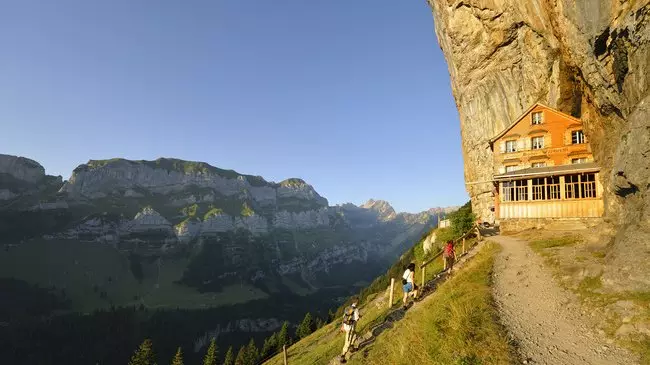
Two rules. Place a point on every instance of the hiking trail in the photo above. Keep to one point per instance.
(544, 320)
(365, 340)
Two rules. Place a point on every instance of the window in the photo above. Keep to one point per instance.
(580, 186)
(537, 142)
(539, 193)
(553, 188)
(514, 191)
(579, 160)
(546, 188)
(538, 164)
(511, 146)
(577, 137)
(536, 118)
(511, 168)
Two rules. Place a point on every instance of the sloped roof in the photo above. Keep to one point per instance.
(522, 115)
(549, 171)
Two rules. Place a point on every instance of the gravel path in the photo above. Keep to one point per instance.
(542, 318)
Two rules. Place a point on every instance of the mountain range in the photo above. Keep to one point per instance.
(169, 234)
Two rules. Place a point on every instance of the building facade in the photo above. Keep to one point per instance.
(544, 168)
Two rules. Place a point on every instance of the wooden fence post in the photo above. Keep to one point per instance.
(424, 270)
(478, 233)
(463, 245)
(284, 352)
(392, 289)
(444, 262)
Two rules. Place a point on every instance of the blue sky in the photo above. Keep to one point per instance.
(352, 96)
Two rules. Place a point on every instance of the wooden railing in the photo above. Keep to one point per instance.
(462, 239)
(474, 230)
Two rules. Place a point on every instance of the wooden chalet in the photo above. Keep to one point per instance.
(544, 168)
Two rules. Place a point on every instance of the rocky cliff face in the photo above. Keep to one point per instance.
(588, 58)
(21, 176)
(242, 225)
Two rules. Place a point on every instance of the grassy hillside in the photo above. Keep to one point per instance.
(454, 325)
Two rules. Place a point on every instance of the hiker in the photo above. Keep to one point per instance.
(350, 318)
(450, 256)
(408, 283)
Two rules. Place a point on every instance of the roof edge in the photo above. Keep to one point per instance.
(501, 177)
(522, 115)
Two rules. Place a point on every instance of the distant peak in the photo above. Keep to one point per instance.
(374, 204)
(384, 210)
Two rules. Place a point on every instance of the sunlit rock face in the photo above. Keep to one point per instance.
(587, 58)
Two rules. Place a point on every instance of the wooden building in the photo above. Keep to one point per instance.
(544, 168)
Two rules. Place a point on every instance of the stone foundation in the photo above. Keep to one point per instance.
(552, 224)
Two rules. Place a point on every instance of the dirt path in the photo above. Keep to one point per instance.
(542, 318)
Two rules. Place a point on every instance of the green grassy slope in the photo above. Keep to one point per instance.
(454, 325)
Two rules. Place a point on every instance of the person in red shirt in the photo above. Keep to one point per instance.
(450, 256)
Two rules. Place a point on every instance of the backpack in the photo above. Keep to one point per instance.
(449, 249)
(348, 315)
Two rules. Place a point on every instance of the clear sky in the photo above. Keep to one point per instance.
(352, 96)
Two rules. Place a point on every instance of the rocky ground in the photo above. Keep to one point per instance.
(544, 320)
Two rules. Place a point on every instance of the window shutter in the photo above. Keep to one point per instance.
(529, 144)
(502, 146)
(502, 170)
(520, 145)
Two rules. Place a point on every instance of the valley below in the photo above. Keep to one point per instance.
(176, 251)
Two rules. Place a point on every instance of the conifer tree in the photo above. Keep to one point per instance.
(230, 357)
(241, 356)
(144, 354)
(283, 336)
(178, 358)
(211, 355)
(305, 328)
(319, 323)
(252, 354)
(270, 345)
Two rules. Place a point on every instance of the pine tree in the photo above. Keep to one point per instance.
(305, 328)
(319, 323)
(252, 354)
(178, 358)
(144, 354)
(270, 345)
(241, 356)
(283, 336)
(230, 357)
(211, 355)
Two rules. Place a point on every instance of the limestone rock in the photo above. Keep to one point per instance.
(255, 224)
(301, 220)
(299, 189)
(217, 223)
(148, 220)
(21, 168)
(187, 230)
(384, 210)
(429, 242)
(587, 58)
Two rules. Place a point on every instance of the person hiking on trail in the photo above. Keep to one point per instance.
(450, 255)
(350, 318)
(408, 283)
